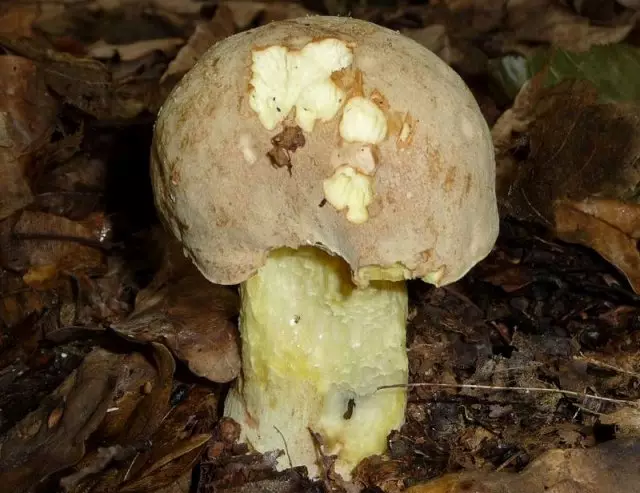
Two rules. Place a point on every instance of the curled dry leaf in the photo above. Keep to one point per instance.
(177, 444)
(205, 35)
(42, 245)
(140, 405)
(86, 83)
(246, 12)
(458, 52)
(195, 319)
(19, 18)
(42, 444)
(133, 51)
(27, 118)
(547, 21)
(611, 466)
(570, 162)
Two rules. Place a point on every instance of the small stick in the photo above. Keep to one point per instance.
(286, 447)
(606, 365)
(525, 389)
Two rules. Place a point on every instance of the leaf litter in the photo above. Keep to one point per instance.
(525, 374)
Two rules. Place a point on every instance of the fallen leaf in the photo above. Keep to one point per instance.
(139, 408)
(194, 318)
(247, 12)
(105, 51)
(27, 119)
(31, 450)
(86, 83)
(18, 19)
(632, 4)
(611, 466)
(626, 420)
(456, 51)
(174, 447)
(205, 35)
(549, 22)
(569, 162)
(603, 234)
(612, 69)
(42, 245)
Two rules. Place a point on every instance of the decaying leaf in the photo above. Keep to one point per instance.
(193, 317)
(626, 420)
(177, 444)
(229, 467)
(41, 245)
(205, 35)
(570, 162)
(85, 83)
(548, 21)
(247, 12)
(41, 445)
(133, 51)
(460, 53)
(27, 118)
(284, 143)
(611, 466)
(137, 426)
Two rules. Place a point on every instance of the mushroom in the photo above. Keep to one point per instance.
(320, 163)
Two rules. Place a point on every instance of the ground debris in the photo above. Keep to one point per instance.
(612, 466)
(284, 143)
(229, 466)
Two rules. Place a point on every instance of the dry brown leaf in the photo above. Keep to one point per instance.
(42, 245)
(173, 449)
(31, 450)
(17, 20)
(27, 119)
(195, 319)
(626, 420)
(604, 235)
(205, 35)
(611, 466)
(245, 12)
(133, 51)
(460, 53)
(547, 21)
(571, 163)
(86, 83)
(176, 447)
(631, 4)
(140, 404)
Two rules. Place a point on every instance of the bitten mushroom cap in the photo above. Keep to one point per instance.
(417, 200)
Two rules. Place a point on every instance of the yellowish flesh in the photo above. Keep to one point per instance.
(311, 343)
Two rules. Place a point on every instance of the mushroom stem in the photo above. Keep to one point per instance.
(315, 349)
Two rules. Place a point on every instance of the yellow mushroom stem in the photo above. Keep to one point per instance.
(315, 350)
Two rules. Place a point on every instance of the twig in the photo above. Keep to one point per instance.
(607, 365)
(286, 447)
(525, 389)
(509, 461)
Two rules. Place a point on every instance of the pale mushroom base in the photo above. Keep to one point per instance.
(315, 351)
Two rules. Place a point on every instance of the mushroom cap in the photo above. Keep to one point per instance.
(433, 213)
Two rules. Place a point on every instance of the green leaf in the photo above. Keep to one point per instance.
(613, 69)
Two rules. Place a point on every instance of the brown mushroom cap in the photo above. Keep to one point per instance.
(434, 208)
